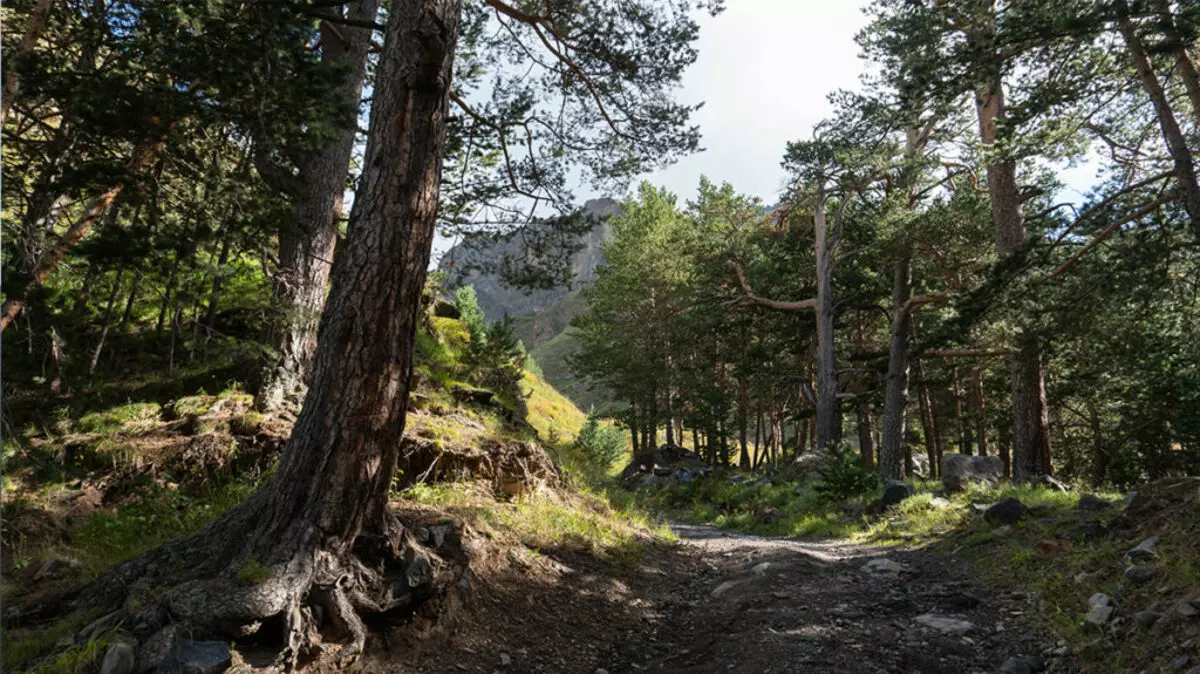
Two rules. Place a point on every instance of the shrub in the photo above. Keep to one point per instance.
(843, 476)
(601, 445)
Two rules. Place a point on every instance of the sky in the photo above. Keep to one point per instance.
(764, 70)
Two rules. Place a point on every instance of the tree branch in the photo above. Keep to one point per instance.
(750, 299)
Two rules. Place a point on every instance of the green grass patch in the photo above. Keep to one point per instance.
(119, 418)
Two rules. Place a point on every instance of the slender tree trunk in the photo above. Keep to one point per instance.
(829, 415)
(1183, 60)
(214, 297)
(980, 409)
(108, 316)
(12, 76)
(306, 245)
(1181, 155)
(1100, 456)
(891, 459)
(964, 429)
(866, 442)
(1029, 419)
(743, 422)
(933, 440)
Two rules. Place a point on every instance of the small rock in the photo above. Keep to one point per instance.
(1098, 615)
(505, 660)
(1143, 551)
(1091, 502)
(945, 624)
(197, 657)
(1008, 511)
(1099, 599)
(1061, 652)
(883, 565)
(1090, 531)
(1187, 609)
(939, 502)
(1181, 662)
(1146, 619)
(600, 670)
(1131, 499)
(1139, 573)
(119, 658)
(1002, 531)
(761, 569)
(721, 589)
(1023, 664)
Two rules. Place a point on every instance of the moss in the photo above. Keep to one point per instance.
(119, 417)
(246, 423)
(253, 572)
(192, 406)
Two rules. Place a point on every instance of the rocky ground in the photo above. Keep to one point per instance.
(727, 602)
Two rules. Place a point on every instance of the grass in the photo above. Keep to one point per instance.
(120, 417)
(546, 522)
(161, 515)
(21, 649)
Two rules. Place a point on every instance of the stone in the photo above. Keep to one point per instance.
(894, 493)
(444, 309)
(1098, 615)
(1187, 609)
(1008, 511)
(945, 624)
(1099, 599)
(1091, 502)
(958, 470)
(1023, 664)
(1090, 531)
(1181, 662)
(760, 570)
(600, 670)
(1131, 499)
(939, 502)
(1146, 619)
(1002, 531)
(1139, 573)
(57, 567)
(505, 660)
(197, 657)
(721, 589)
(683, 476)
(154, 649)
(1144, 551)
(119, 658)
(882, 566)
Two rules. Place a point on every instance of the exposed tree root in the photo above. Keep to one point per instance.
(217, 584)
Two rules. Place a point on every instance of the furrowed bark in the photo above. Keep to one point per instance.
(320, 525)
(891, 452)
(306, 245)
(1030, 427)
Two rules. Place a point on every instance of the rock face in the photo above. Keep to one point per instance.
(496, 298)
(960, 469)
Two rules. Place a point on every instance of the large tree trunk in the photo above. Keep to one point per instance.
(829, 414)
(1181, 155)
(320, 525)
(891, 453)
(306, 245)
(1030, 427)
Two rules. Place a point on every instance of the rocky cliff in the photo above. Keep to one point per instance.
(473, 263)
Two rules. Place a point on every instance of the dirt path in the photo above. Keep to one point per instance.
(757, 604)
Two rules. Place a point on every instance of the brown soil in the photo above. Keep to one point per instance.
(724, 602)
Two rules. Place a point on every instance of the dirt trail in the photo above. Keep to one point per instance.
(758, 604)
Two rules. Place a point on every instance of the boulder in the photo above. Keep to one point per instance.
(894, 493)
(1091, 502)
(958, 470)
(1139, 574)
(197, 657)
(1008, 511)
(1144, 551)
(444, 309)
(119, 658)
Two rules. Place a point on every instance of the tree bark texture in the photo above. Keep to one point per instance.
(829, 415)
(306, 245)
(891, 452)
(320, 524)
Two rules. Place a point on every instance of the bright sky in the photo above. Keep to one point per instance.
(764, 70)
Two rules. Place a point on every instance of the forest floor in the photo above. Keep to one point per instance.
(720, 601)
